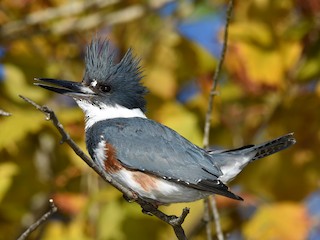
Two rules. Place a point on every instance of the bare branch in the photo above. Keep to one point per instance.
(148, 208)
(44, 218)
(216, 218)
(213, 93)
(207, 218)
(174, 221)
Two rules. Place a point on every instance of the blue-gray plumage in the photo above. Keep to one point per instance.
(150, 159)
(147, 146)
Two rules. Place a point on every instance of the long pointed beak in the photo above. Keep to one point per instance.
(72, 89)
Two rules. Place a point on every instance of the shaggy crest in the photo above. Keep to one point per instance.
(123, 77)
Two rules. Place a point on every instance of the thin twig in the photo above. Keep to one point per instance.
(213, 93)
(174, 221)
(207, 218)
(216, 218)
(44, 218)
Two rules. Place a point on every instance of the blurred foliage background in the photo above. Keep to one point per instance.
(269, 86)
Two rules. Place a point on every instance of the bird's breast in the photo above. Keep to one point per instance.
(148, 186)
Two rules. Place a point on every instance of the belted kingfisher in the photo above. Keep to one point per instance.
(150, 159)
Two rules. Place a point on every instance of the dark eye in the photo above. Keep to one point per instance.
(104, 88)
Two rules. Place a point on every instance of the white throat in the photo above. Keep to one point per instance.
(96, 113)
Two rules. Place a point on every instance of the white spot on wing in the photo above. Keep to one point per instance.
(100, 153)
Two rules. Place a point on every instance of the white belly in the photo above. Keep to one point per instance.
(157, 189)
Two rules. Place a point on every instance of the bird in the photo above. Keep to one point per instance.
(150, 159)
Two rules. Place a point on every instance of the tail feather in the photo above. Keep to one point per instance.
(267, 148)
(231, 162)
(273, 146)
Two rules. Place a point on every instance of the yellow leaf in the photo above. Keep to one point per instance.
(181, 120)
(160, 69)
(16, 127)
(290, 53)
(16, 83)
(161, 82)
(75, 230)
(249, 31)
(110, 222)
(285, 221)
(255, 58)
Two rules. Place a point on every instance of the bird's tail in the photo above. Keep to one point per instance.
(231, 162)
(267, 148)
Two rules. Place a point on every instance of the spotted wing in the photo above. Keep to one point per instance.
(145, 145)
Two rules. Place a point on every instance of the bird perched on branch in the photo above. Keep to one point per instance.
(150, 159)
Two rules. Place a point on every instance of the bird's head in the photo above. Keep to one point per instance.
(107, 87)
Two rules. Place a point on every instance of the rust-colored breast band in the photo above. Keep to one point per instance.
(111, 162)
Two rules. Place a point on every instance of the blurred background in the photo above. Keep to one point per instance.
(269, 86)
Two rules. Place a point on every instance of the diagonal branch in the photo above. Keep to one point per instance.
(44, 218)
(50, 115)
(174, 221)
(213, 93)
